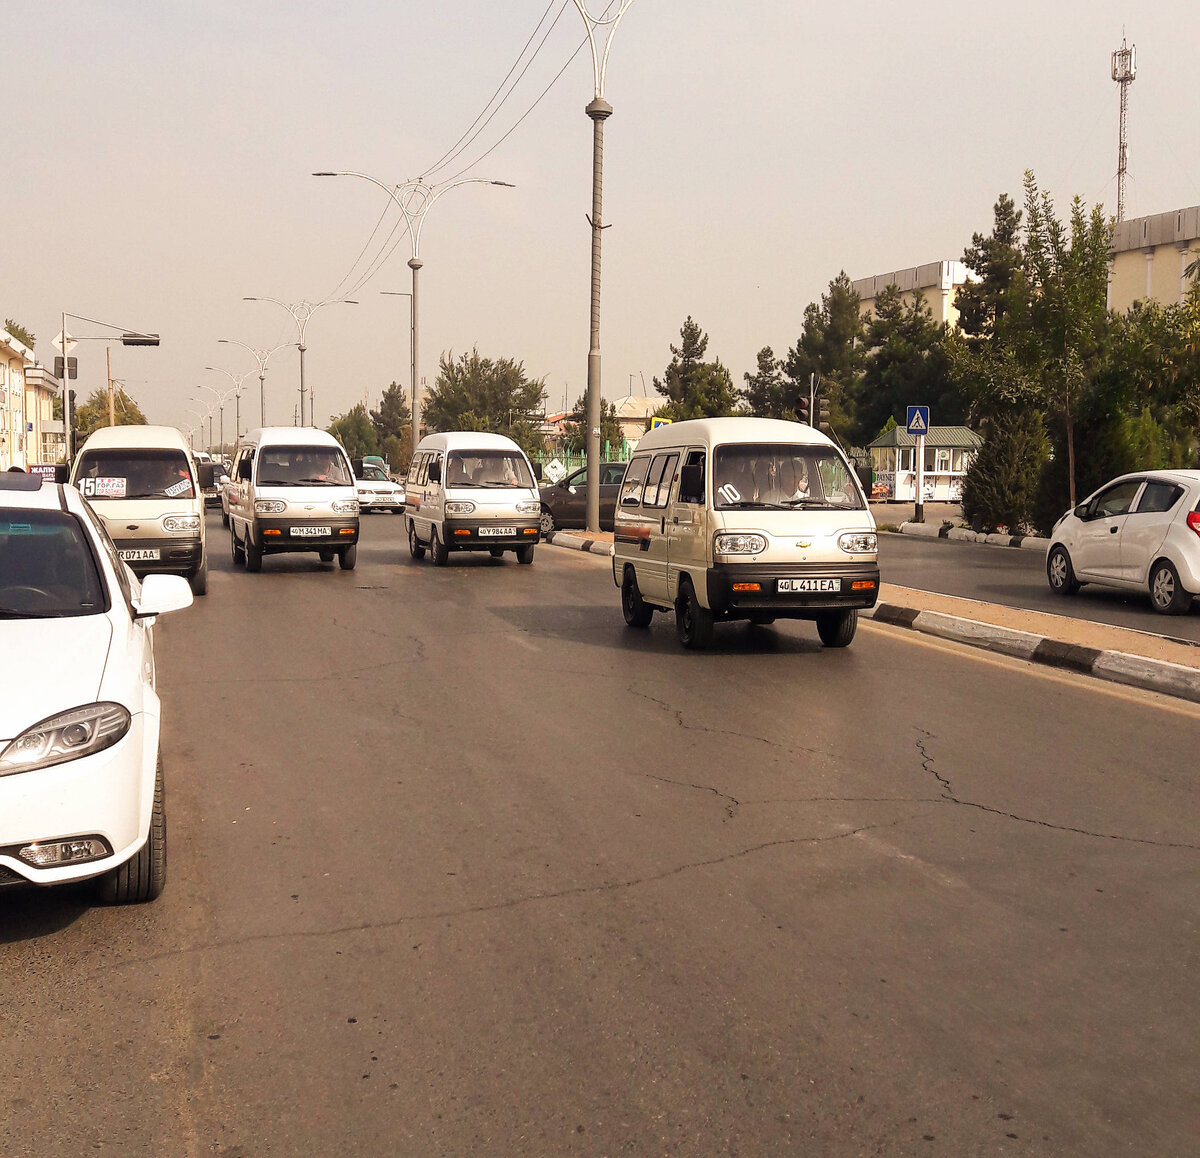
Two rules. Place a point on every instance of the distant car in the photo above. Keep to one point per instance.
(81, 784)
(565, 503)
(1140, 532)
(377, 492)
(212, 494)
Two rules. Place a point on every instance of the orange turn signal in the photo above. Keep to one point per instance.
(271, 531)
(467, 533)
(531, 530)
(862, 584)
(346, 531)
(747, 586)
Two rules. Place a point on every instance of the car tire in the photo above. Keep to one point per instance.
(438, 551)
(546, 524)
(325, 556)
(348, 557)
(254, 555)
(693, 623)
(236, 549)
(496, 552)
(1059, 572)
(637, 612)
(415, 547)
(837, 628)
(525, 554)
(1167, 594)
(224, 517)
(198, 579)
(142, 877)
(761, 619)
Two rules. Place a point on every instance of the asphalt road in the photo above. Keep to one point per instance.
(1017, 578)
(460, 865)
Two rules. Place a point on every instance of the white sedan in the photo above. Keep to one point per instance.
(1140, 532)
(377, 492)
(81, 785)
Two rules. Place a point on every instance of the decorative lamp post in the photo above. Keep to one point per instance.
(262, 357)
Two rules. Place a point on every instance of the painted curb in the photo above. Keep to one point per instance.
(1155, 675)
(965, 535)
(578, 543)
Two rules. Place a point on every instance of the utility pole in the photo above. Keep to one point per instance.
(1124, 69)
(112, 409)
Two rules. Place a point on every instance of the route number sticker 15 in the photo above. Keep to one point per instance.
(102, 488)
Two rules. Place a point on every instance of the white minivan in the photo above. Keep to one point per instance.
(468, 491)
(743, 518)
(145, 484)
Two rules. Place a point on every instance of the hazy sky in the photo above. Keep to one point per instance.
(158, 159)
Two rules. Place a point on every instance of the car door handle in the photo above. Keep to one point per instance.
(1113, 530)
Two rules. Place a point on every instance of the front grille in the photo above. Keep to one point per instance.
(8, 877)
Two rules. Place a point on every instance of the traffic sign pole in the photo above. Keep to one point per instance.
(918, 424)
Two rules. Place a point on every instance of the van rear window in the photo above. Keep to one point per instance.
(115, 473)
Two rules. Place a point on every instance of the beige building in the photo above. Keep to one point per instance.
(29, 434)
(1150, 255)
(938, 282)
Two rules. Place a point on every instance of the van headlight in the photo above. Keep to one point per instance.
(181, 523)
(529, 508)
(859, 542)
(727, 543)
(459, 508)
(67, 736)
(269, 506)
(345, 506)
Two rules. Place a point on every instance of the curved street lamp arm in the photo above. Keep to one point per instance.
(600, 62)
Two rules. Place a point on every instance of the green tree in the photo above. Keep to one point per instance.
(998, 264)
(766, 391)
(575, 426)
(355, 432)
(1001, 486)
(476, 393)
(94, 413)
(829, 352)
(394, 416)
(693, 387)
(18, 331)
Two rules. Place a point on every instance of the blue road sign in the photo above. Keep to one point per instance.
(918, 420)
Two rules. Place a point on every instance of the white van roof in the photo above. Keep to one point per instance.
(713, 431)
(467, 440)
(290, 436)
(135, 436)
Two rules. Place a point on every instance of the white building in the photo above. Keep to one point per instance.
(28, 432)
(938, 282)
(1150, 256)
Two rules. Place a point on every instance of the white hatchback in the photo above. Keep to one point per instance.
(81, 786)
(1140, 532)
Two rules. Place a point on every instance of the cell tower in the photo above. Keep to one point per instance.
(1124, 69)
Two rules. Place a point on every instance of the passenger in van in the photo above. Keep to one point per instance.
(456, 475)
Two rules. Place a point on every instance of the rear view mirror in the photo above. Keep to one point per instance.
(435, 471)
(204, 472)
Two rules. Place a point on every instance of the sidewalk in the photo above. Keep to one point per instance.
(1119, 654)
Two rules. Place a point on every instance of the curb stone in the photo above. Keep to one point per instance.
(964, 535)
(578, 543)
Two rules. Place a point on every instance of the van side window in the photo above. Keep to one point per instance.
(694, 458)
(635, 478)
(658, 485)
(423, 470)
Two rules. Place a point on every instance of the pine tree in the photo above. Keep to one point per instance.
(693, 387)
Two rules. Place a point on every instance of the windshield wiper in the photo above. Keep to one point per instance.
(14, 613)
(321, 482)
(809, 504)
(751, 505)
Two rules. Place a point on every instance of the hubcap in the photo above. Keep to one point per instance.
(1058, 570)
(1164, 587)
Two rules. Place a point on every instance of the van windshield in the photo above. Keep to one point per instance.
(488, 468)
(117, 473)
(779, 476)
(303, 466)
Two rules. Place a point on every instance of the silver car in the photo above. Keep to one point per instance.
(1140, 532)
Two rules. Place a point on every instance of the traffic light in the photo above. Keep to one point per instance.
(139, 339)
(802, 410)
(823, 416)
(72, 368)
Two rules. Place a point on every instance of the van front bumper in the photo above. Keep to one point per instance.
(176, 554)
(475, 534)
(740, 589)
(275, 536)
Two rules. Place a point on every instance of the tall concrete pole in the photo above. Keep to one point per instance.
(599, 110)
(302, 349)
(415, 263)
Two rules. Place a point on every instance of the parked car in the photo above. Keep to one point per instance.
(81, 781)
(565, 503)
(377, 492)
(1139, 532)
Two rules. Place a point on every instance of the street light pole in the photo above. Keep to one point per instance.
(412, 353)
(237, 380)
(262, 357)
(414, 199)
(599, 110)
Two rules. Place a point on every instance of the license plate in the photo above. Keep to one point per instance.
(810, 585)
(489, 532)
(139, 554)
(310, 532)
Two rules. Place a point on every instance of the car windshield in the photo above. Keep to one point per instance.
(134, 474)
(371, 473)
(783, 477)
(220, 474)
(47, 569)
(488, 468)
(303, 466)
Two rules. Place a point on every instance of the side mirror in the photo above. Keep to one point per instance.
(537, 471)
(1081, 511)
(163, 593)
(243, 468)
(356, 465)
(62, 472)
(435, 471)
(691, 483)
(204, 472)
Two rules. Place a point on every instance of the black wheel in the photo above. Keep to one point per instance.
(1059, 572)
(224, 517)
(1166, 592)
(239, 552)
(496, 552)
(325, 556)
(525, 554)
(253, 554)
(438, 551)
(637, 612)
(347, 557)
(761, 619)
(198, 579)
(546, 523)
(141, 878)
(415, 549)
(837, 628)
(693, 623)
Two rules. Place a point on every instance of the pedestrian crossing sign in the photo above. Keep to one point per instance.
(655, 423)
(918, 420)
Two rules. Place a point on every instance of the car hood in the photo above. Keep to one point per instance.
(52, 665)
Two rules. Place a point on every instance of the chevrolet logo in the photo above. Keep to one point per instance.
(803, 543)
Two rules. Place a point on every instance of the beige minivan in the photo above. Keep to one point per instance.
(145, 485)
(743, 518)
